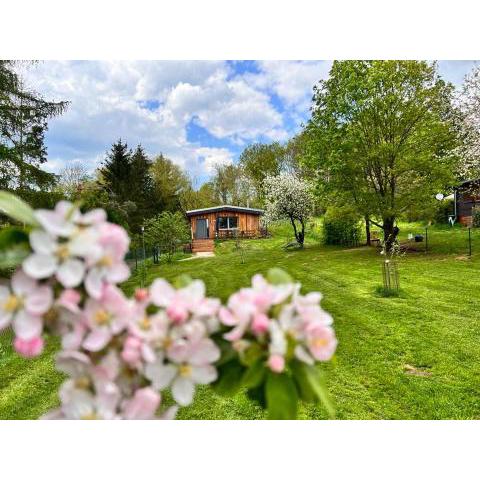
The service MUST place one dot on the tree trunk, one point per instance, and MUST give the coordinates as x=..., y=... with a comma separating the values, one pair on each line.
x=367, y=230
x=390, y=232
x=299, y=236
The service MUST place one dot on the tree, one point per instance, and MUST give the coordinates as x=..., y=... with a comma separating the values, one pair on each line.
x=167, y=230
x=261, y=160
x=288, y=197
x=468, y=116
x=225, y=183
x=204, y=197
x=170, y=183
x=72, y=179
x=381, y=136
x=116, y=170
x=141, y=190
x=23, y=123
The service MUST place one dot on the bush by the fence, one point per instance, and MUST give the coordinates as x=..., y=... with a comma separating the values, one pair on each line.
x=341, y=226
x=476, y=217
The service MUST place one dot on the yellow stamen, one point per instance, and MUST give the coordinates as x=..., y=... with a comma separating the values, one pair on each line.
x=145, y=324
x=12, y=303
x=82, y=383
x=319, y=342
x=185, y=370
x=89, y=416
x=106, y=261
x=63, y=252
x=167, y=342
x=102, y=317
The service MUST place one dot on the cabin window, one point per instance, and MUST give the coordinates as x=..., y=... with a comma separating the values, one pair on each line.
x=227, y=223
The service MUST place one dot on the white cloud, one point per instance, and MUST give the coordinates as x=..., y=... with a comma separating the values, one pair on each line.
x=109, y=100
x=292, y=81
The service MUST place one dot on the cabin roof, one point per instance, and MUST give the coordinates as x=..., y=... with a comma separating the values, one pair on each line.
x=467, y=182
x=220, y=208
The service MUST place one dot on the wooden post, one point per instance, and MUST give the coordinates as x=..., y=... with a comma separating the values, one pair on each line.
x=469, y=242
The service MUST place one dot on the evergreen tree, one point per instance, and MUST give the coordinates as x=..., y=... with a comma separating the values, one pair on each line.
x=141, y=188
x=116, y=172
x=23, y=123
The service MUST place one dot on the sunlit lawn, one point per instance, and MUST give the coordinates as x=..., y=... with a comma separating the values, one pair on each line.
x=412, y=357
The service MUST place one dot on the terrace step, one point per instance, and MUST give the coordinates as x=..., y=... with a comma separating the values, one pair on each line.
x=203, y=245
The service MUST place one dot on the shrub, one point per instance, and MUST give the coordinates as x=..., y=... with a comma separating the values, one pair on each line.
x=476, y=217
x=341, y=226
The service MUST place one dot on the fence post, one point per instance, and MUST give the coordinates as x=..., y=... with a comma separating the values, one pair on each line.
x=469, y=242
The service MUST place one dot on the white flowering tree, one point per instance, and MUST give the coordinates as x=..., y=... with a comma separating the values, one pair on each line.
x=121, y=354
x=468, y=103
x=288, y=197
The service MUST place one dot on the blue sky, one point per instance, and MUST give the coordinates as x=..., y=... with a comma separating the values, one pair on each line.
x=198, y=113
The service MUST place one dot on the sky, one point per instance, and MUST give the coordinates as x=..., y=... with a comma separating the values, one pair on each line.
x=198, y=113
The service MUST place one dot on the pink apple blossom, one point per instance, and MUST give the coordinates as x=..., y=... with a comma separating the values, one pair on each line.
x=105, y=317
x=23, y=304
x=29, y=348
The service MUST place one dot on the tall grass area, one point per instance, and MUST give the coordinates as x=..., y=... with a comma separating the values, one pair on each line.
x=415, y=356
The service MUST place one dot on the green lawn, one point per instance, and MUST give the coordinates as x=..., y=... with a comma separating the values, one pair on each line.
x=412, y=357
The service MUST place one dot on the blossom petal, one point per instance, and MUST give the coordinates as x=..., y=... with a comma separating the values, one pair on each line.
x=183, y=390
x=70, y=273
x=302, y=355
x=160, y=375
x=5, y=318
x=39, y=265
x=22, y=284
x=42, y=242
x=97, y=339
x=143, y=405
x=39, y=301
x=161, y=292
x=94, y=282
x=118, y=272
x=204, y=375
x=27, y=326
x=205, y=352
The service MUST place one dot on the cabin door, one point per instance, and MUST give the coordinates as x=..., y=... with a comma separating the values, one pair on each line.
x=201, y=228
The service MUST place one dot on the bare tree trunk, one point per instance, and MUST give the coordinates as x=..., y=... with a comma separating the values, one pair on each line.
x=367, y=230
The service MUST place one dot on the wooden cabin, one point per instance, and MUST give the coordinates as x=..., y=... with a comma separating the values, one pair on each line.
x=224, y=221
x=467, y=197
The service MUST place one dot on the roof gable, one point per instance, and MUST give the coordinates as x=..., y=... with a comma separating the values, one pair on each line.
x=230, y=208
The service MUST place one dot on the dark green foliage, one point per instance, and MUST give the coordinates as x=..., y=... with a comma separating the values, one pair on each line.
x=126, y=181
x=382, y=137
x=341, y=226
x=167, y=231
x=23, y=123
x=281, y=396
x=476, y=217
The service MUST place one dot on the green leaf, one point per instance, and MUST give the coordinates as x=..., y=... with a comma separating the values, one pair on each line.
x=14, y=247
x=317, y=385
x=182, y=281
x=282, y=397
x=13, y=257
x=254, y=375
x=277, y=276
x=304, y=388
x=229, y=378
x=257, y=395
x=17, y=209
x=227, y=353
x=251, y=354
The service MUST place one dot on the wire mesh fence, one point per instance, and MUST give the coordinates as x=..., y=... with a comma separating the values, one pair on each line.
x=446, y=240
x=153, y=254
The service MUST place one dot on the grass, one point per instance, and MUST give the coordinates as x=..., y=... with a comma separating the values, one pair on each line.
x=415, y=356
